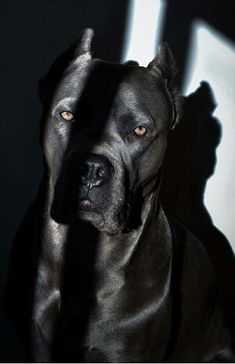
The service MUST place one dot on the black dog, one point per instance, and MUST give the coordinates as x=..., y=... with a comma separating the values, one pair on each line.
x=104, y=275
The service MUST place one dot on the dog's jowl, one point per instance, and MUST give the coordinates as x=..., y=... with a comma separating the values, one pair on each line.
x=99, y=273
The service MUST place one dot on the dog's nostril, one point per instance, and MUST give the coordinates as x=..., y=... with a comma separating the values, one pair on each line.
x=102, y=172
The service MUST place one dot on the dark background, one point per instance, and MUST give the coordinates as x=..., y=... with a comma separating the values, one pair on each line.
x=33, y=34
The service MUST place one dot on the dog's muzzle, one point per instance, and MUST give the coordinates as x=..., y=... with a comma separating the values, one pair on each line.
x=95, y=178
x=95, y=174
x=92, y=190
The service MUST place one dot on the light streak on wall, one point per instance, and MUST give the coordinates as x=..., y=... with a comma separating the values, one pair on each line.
x=143, y=30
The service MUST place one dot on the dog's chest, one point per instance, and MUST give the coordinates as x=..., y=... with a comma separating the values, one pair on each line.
x=124, y=321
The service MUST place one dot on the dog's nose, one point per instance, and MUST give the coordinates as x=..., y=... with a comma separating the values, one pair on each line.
x=95, y=171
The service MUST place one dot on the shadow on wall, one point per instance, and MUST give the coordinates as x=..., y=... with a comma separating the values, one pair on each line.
x=191, y=155
x=189, y=162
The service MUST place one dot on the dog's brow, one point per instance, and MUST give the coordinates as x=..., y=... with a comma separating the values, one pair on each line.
x=67, y=101
x=138, y=116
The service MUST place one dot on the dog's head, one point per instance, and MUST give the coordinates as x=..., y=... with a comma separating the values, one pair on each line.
x=104, y=134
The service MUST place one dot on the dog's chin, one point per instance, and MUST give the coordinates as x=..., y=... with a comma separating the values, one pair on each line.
x=106, y=220
x=98, y=220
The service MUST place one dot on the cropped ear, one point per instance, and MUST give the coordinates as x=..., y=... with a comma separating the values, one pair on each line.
x=164, y=65
x=80, y=50
x=177, y=104
x=83, y=46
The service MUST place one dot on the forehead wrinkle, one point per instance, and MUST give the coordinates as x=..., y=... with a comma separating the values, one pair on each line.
x=126, y=92
x=145, y=93
x=74, y=79
x=68, y=101
x=131, y=107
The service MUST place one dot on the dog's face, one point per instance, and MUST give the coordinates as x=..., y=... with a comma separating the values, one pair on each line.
x=105, y=134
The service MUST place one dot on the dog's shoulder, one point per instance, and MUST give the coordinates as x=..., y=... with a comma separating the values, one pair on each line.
x=186, y=243
x=196, y=296
x=192, y=265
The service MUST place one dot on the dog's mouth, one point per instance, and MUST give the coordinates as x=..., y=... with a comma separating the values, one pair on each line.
x=84, y=210
x=103, y=217
x=88, y=210
x=86, y=205
x=106, y=209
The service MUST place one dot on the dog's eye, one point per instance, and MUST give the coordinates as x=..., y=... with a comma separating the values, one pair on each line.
x=139, y=131
x=67, y=116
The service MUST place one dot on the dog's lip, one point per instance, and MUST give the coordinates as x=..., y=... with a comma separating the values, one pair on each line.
x=86, y=204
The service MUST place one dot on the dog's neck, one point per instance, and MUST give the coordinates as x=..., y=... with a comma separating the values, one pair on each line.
x=128, y=265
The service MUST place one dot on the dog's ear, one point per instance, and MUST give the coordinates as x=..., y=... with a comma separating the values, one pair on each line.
x=81, y=49
x=164, y=63
x=83, y=46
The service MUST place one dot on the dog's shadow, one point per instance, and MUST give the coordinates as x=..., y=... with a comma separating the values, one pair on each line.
x=189, y=162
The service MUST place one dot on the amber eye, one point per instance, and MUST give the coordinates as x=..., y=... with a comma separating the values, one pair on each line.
x=140, y=131
x=67, y=116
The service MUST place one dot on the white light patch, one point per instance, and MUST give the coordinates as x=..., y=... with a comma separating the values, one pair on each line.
x=212, y=59
x=143, y=30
